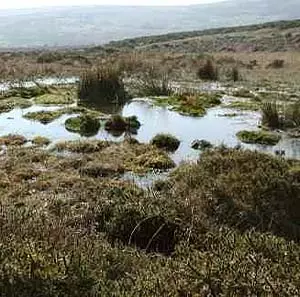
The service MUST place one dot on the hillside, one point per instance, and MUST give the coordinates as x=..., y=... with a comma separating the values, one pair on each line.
x=271, y=36
x=91, y=25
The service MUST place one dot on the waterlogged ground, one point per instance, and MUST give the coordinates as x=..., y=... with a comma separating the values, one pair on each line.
x=216, y=126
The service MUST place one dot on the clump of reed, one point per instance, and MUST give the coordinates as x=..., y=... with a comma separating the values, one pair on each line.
x=274, y=116
x=208, y=71
x=152, y=83
x=102, y=85
x=270, y=115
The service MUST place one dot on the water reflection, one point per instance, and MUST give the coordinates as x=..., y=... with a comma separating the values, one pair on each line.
x=105, y=107
x=212, y=127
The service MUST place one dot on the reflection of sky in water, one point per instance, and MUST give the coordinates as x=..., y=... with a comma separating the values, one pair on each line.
x=212, y=127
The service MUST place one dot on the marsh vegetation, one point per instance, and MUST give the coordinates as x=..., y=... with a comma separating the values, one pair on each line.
x=224, y=222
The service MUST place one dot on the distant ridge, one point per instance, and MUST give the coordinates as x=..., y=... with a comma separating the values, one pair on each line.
x=95, y=25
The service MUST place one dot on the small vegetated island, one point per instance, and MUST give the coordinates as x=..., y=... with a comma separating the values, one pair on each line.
x=73, y=224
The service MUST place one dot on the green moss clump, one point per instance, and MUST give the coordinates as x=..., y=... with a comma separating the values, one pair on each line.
x=41, y=141
x=121, y=124
x=54, y=99
x=10, y=103
x=12, y=140
x=85, y=125
x=191, y=105
x=27, y=92
x=259, y=137
x=165, y=141
x=44, y=117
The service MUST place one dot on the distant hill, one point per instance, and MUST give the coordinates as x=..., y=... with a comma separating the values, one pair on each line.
x=92, y=25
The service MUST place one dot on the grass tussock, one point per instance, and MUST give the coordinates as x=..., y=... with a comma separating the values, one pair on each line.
x=12, y=140
x=129, y=155
x=270, y=115
x=278, y=116
x=81, y=146
x=85, y=125
x=118, y=124
x=166, y=141
x=259, y=137
x=208, y=71
x=102, y=85
x=41, y=141
x=152, y=83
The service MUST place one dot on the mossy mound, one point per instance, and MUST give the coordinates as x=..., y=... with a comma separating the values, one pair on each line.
x=258, y=137
x=191, y=105
x=41, y=141
x=167, y=142
x=54, y=99
x=44, y=117
x=10, y=103
x=85, y=125
x=121, y=124
x=27, y=92
x=12, y=140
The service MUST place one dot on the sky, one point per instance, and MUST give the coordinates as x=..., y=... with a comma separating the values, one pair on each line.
x=39, y=3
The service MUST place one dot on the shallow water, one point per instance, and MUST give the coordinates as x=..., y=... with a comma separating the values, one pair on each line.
x=47, y=81
x=212, y=127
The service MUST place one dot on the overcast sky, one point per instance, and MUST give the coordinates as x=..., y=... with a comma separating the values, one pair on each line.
x=39, y=3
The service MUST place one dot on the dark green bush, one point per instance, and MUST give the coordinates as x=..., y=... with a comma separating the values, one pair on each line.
x=166, y=142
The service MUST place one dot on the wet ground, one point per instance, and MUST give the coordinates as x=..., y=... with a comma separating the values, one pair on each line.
x=214, y=127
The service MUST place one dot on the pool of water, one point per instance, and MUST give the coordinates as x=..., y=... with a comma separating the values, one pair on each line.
x=213, y=127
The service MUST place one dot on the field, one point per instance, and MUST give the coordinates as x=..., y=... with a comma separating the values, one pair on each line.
x=165, y=165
